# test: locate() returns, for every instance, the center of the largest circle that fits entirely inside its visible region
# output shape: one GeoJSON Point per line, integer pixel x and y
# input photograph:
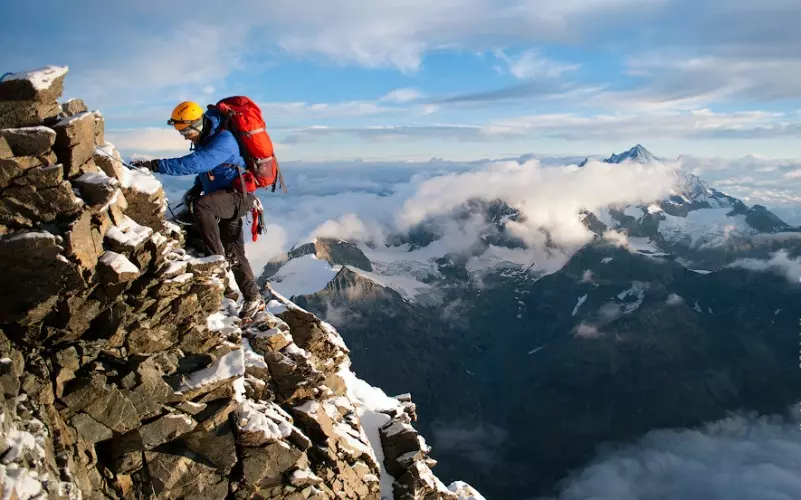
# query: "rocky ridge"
{"type": "Point", "coordinates": [124, 370]}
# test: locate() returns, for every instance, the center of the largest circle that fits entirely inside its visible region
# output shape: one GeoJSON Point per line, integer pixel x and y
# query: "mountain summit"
{"type": "Point", "coordinates": [638, 154]}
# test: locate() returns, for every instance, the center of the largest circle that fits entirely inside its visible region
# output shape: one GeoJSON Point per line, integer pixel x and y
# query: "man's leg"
{"type": "Point", "coordinates": [233, 239]}
{"type": "Point", "coordinates": [222, 205]}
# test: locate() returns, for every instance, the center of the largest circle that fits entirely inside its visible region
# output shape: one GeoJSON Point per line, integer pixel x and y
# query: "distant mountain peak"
{"type": "Point", "coordinates": [637, 154]}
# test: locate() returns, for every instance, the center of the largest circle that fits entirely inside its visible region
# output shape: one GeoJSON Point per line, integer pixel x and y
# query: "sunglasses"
{"type": "Point", "coordinates": [172, 122]}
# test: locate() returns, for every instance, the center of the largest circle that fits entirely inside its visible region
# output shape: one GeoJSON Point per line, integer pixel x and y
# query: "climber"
{"type": "Point", "coordinates": [217, 207]}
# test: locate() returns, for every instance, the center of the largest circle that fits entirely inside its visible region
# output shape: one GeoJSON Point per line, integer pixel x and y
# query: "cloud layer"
{"type": "Point", "coordinates": [738, 458]}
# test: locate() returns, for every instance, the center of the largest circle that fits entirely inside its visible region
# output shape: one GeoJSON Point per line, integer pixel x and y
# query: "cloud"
{"type": "Point", "coordinates": [587, 331]}
{"type": "Point", "coordinates": [674, 300]}
{"type": "Point", "coordinates": [480, 442]}
{"type": "Point", "coordinates": [695, 125]}
{"type": "Point", "coordinates": [742, 457]}
{"type": "Point", "coordinates": [149, 140]}
{"type": "Point", "coordinates": [531, 64]}
{"type": "Point", "coordinates": [779, 263]}
{"type": "Point", "coordinates": [402, 95]}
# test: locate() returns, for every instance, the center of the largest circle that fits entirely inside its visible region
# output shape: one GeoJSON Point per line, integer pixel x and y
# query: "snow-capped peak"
{"type": "Point", "coordinates": [637, 154]}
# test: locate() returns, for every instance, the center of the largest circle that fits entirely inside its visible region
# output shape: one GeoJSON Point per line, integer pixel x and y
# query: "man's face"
{"type": "Point", "coordinates": [191, 135]}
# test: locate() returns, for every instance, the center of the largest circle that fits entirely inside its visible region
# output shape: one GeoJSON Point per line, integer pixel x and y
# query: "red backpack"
{"type": "Point", "coordinates": [243, 118]}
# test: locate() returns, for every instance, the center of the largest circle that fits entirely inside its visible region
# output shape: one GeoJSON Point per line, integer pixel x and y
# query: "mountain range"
{"type": "Point", "coordinates": [522, 372]}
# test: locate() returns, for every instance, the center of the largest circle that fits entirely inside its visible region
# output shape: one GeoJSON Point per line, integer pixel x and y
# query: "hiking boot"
{"type": "Point", "coordinates": [251, 308]}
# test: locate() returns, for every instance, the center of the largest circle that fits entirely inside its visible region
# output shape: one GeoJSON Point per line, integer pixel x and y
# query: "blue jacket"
{"type": "Point", "coordinates": [210, 158]}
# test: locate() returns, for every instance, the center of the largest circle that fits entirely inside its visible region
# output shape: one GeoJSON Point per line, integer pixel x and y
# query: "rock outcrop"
{"type": "Point", "coordinates": [124, 369]}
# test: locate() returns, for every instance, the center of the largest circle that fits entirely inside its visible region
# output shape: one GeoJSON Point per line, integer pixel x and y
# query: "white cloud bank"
{"type": "Point", "coordinates": [738, 458]}
{"type": "Point", "coordinates": [780, 263]}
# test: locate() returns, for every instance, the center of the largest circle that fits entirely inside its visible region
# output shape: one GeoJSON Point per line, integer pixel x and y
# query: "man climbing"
{"type": "Point", "coordinates": [217, 207]}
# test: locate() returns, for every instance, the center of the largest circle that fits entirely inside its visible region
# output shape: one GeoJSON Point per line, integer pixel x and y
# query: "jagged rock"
{"type": "Point", "coordinates": [96, 188]}
{"type": "Point", "coordinates": [198, 340]}
{"type": "Point", "coordinates": [31, 262]}
{"type": "Point", "coordinates": [76, 159]}
{"type": "Point", "coordinates": [420, 482]}
{"type": "Point", "coordinates": [25, 205]}
{"type": "Point", "coordinates": [215, 413]}
{"type": "Point", "coordinates": [264, 466]}
{"type": "Point", "coordinates": [103, 402]}
{"type": "Point", "coordinates": [216, 446]}
{"type": "Point", "coordinates": [74, 130]}
{"type": "Point", "coordinates": [9, 379]}
{"type": "Point", "coordinates": [304, 477]}
{"type": "Point", "coordinates": [152, 392]}
{"type": "Point", "coordinates": [100, 129]}
{"type": "Point", "coordinates": [15, 114]}
{"type": "Point", "coordinates": [316, 336]}
{"type": "Point", "coordinates": [14, 168]}
{"type": "Point", "coordinates": [114, 268]}
{"type": "Point", "coordinates": [272, 340]}
{"type": "Point", "coordinates": [139, 394]}
{"type": "Point", "coordinates": [5, 149]}
{"type": "Point", "coordinates": [73, 107]}
{"type": "Point", "coordinates": [402, 445]}
{"type": "Point", "coordinates": [296, 379]}
{"type": "Point", "coordinates": [181, 476]}
{"type": "Point", "coordinates": [90, 429]}
{"type": "Point", "coordinates": [42, 177]}
{"type": "Point", "coordinates": [29, 141]}
{"type": "Point", "coordinates": [41, 84]}
{"type": "Point", "coordinates": [165, 429]}
{"type": "Point", "coordinates": [79, 244]}
{"type": "Point", "coordinates": [146, 340]}
{"type": "Point", "coordinates": [110, 162]}
{"type": "Point", "coordinates": [146, 199]}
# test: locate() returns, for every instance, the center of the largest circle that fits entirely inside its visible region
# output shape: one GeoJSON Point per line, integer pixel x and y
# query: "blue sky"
{"type": "Point", "coordinates": [415, 79]}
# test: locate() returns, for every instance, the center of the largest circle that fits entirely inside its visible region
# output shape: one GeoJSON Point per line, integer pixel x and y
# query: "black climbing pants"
{"type": "Point", "coordinates": [227, 237]}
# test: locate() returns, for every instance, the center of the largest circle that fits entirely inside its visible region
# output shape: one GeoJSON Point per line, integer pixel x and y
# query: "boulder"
{"type": "Point", "coordinates": [13, 168]}
{"type": "Point", "coordinates": [96, 188]}
{"type": "Point", "coordinates": [89, 429]}
{"type": "Point", "coordinates": [100, 129]}
{"type": "Point", "coordinates": [29, 141]}
{"type": "Point", "coordinates": [165, 429]}
{"type": "Point", "coordinates": [5, 148]}
{"type": "Point", "coordinates": [110, 161]}
{"type": "Point", "coordinates": [73, 107]}
{"type": "Point", "coordinates": [146, 200]}
{"type": "Point", "coordinates": [23, 206]}
{"type": "Point", "coordinates": [32, 262]}
{"type": "Point", "coordinates": [263, 467]}
{"type": "Point", "coordinates": [114, 268]}
{"type": "Point", "coordinates": [75, 130]}
{"type": "Point", "coordinates": [42, 177]}
{"type": "Point", "coordinates": [42, 84]}
{"type": "Point", "coordinates": [216, 446]}
{"type": "Point", "coordinates": [180, 475]}
{"type": "Point", "coordinates": [103, 402]}
{"type": "Point", "coordinates": [15, 114]}
{"type": "Point", "coordinates": [79, 244]}
{"type": "Point", "coordinates": [76, 158]}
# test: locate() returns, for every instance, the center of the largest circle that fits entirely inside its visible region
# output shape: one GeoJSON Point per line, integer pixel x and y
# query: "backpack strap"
{"type": "Point", "coordinates": [279, 178]}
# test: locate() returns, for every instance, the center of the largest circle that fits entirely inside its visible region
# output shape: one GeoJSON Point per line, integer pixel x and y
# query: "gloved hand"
{"type": "Point", "coordinates": [191, 196]}
{"type": "Point", "coordinates": [152, 165]}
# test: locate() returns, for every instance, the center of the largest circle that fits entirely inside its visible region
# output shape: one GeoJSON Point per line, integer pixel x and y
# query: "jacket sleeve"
{"type": "Point", "coordinates": [219, 150]}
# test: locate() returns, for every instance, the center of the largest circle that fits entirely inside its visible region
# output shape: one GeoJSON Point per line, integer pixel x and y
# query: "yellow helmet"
{"type": "Point", "coordinates": [185, 114]}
